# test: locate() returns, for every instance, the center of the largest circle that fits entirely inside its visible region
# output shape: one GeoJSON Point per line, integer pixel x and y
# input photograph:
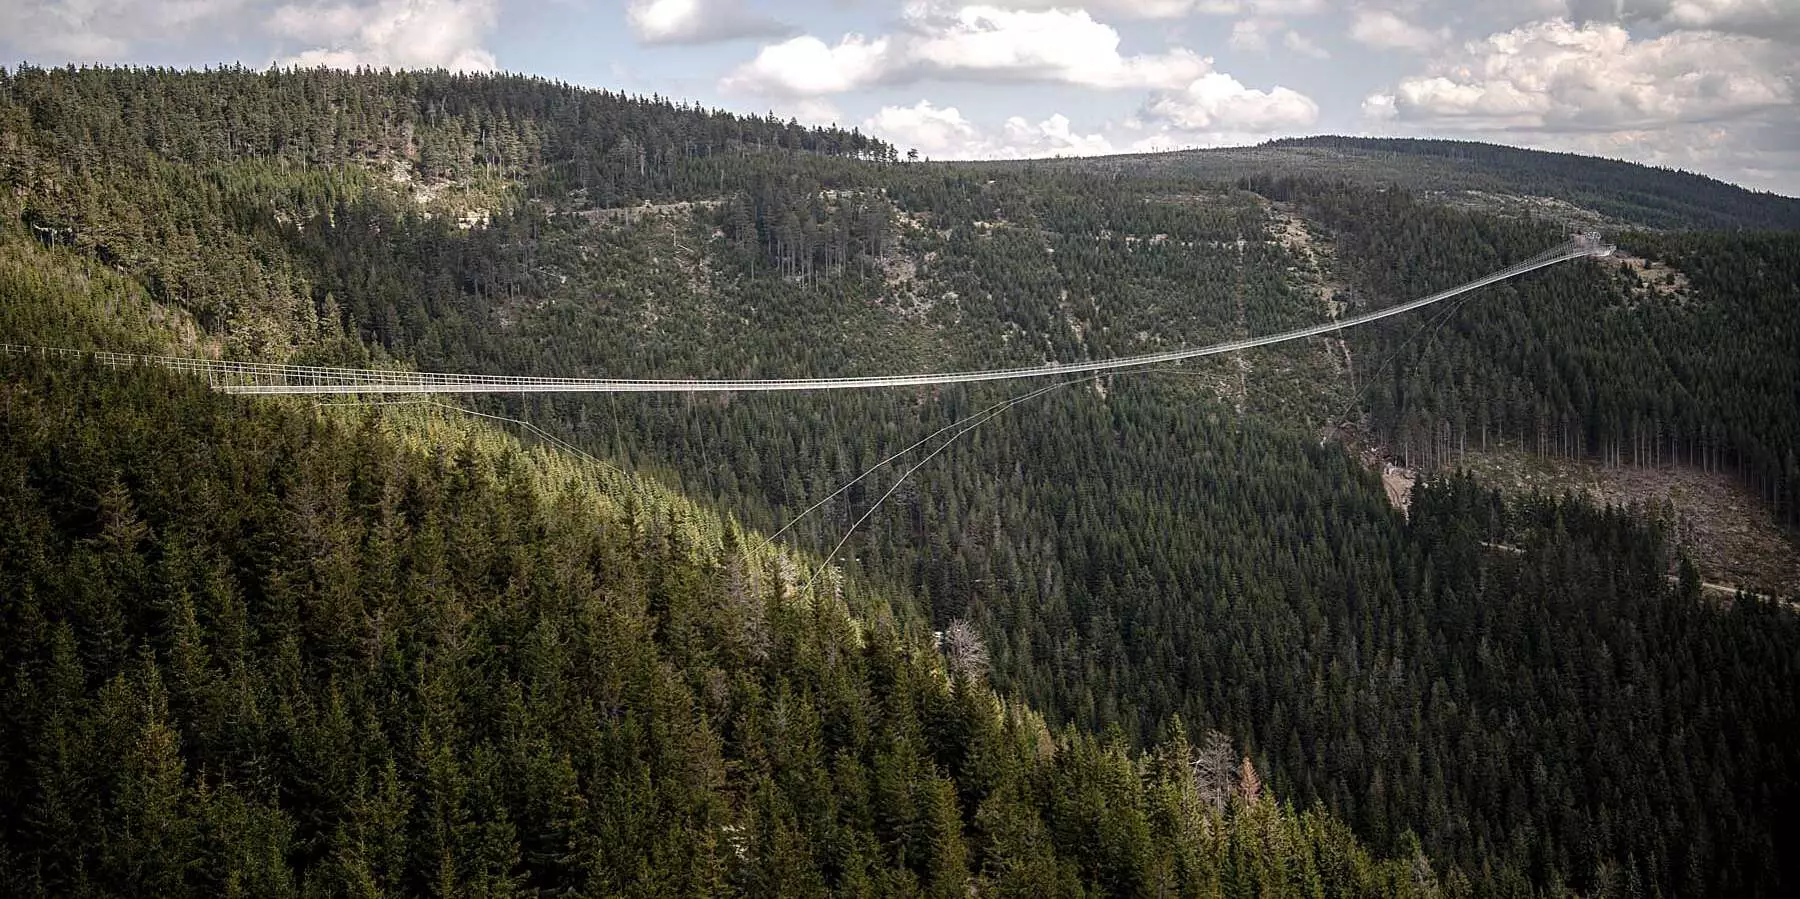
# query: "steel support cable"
{"type": "Point", "coordinates": [426, 383]}
{"type": "Point", "coordinates": [967, 423]}
{"type": "Point", "coordinates": [994, 409]}
{"type": "Point", "coordinates": [1429, 329]}
{"type": "Point", "coordinates": [543, 434]}
{"type": "Point", "coordinates": [988, 414]}
{"type": "Point", "coordinates": [984, 416]}
{"type": "Point", "coordinates": [269, 378]}
{"type": "Point", "coordinates": [981, 418]}
{"type": "Point", "coordinates": [405, 382]}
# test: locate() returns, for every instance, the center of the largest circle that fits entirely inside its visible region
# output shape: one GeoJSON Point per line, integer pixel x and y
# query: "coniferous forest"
{"type": "Point", "coordinates": [1151, 634]}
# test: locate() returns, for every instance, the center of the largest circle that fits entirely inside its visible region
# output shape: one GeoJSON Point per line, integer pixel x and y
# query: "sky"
{"type": "Point", "coordinates": [1711, 86]}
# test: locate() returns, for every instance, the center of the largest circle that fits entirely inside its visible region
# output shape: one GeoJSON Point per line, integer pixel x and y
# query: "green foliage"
{"type": "Point", "coordinates": [253, 650]}
{"type": "Point", "coordinates": [1625, 192]}
{"type": "Point", "coordinates": [259, 650]}
{"type": "Point", "coordinates": [1579, 361]}
{"type": "Point", "coordinates": [190, 181]}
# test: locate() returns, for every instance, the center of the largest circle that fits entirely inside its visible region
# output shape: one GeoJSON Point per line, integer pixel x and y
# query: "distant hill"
{"type": "Point", "coordinates": [1622, 191]}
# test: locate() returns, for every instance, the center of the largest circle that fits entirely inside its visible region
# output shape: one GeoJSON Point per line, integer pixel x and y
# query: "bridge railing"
{"type": "Point", "coordinates": [280, 378]}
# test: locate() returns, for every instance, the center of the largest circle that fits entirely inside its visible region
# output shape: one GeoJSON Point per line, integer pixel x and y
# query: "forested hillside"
{"type": "Point", "coordinates": [1586, 361]}
{"type": "Point", "coordinates": [1624, 192]}
{"type": "Point", "coordinates": [1502, 694]}
{"type": "Point", "coordinates": [255, 650]}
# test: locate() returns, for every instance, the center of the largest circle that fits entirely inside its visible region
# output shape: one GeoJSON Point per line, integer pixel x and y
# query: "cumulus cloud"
{"type": "Point", "coordinates": [346, 33]}
{"type": "Point", "coordinates": [1133, 9]}
{"type": "Point", "coordinates": [978, 43]}
{"type": "Point", "coordinates": [1219, 101]}
{"type": "Point", "coordinates": [1261, 7]}
{"type": "Point", "coordinates": [1756, 18]}
{"type": "Point", "coordinates": [1053, 136]}
{"type": "Point", "coordinates": [1259, 36]}
{"type": "Point", "coordinates": [941, 133]}
{"type": "Point", "coordinates": [1743, 16]}
{"type": "Point", "coordinates": [808, 111]}
{"type": "Point", "coordinates": [1777, 19]}
{"type": "Point", "coordinates": [1763, 18]}
{"type": "Point", "coordinates": [1174, 9]}
{"type": "Point", "coordinates": [1252, 34]}
{"type": "Point", "coordinates": [103, 30]}
{"type": "Point", "coordinates": [1056, 45]}
{"type": "Point", "coordinates": [1385, 29]}
{"type": "Point", "coordinates": [315, 24]}
{"type": "Point", "coordinates": [390, 33]}
{"type": "Point", "coordinates": [699, 21]}
{"type": "Point", "coordinates": [944, 133]}
{"type": "Point", "coordinates": [1556, 75]}
{"type": "Point", "coordinates": [806, 66]}
{"type": "Point", "coordinates": [1299, 43]}
{"type": "Point", "coordinates": [1707, 100]}
{"type": "Point", "coordinates": [1759, 155]}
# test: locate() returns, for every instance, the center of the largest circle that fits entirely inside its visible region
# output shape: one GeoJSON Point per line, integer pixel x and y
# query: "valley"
{"type": "Point", "coordinates": [1183, 630]}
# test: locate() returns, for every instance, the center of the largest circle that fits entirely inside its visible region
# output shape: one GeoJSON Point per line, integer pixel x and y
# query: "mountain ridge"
{"type": "Point", "coordinates": [1634, 194]}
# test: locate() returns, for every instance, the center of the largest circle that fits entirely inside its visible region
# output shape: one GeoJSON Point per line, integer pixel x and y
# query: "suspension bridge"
{"type": "Point", "coordinates": [273, 378]}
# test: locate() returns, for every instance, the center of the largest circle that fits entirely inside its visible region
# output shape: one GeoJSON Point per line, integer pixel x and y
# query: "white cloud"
{"type": "Point", "coordinates": [1259, 35]}
{"type": "Point", "coordinates": [320, 23]}
{"type": "Point", "coordinates": [413, 33]}
{"type": "Point", "coordinates": [1174, 9]}
{"type": "Point", "coordinates": [1699, 100]}
{"type": "Point", "coordinates": [698, 21]}
{"type": "Point", "coordinates": [391, 33]}
{"type": "Point", "coordinates": [1165, 140]}
{"type": "Point", "coordinates": [976, 43]}
{"type": "Point", "coordinates": [1748, 154]}
{"type": "Point", "coordinates": [806, 65]}
{"type": "Point", "coordinates": [1252, 34]}
{"type": "Point", "coordinates": [1264, 8]}
{"type": "Point", "coordinates": [1055, 45]}
{"type": "Point", "coordinates": [1291, 7]}
{"type": "Point", "coordinates": [1217, 101]}
{"type": "Point", "coordinates": [1385, 30]}
{"type": "Point", "coordinates": [1053, 137]}
{"type": "Point", "coordinates": [1558, 76]}
{"type": "Point", "coordinates": [1301, 44]}
{"type": "Point", "coordinates": [102, 30]}
{"type": "Point", "coordinates": [1132, 9]}
{"type": "Point", "coordinates": [809, 111]}
{"type": "Point", "coordinates": [941, 133]}
{"type": "Point", "coordinates": [944, 133]}
{"type": "Point", "coordinates": [1757, 17]}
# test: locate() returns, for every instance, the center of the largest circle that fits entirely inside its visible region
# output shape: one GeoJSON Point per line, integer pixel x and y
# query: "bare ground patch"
{"type": "Point", "coordinates": [1315, 273]}
{"type": "Point", "coordinates": [1398, 483]}
{"type": "Point", "coordinates": [1524, 205]}
{"type": "Point", "coordinates": [627, 215]}
{"type": "Point", "coordinates": [1648, 280]}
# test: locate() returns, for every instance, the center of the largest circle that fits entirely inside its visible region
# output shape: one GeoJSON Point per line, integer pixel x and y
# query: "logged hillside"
{"type": "Point", "coordinates": [1591, 361]}
{"type": "Point", "coordinates": [1475, 684]}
